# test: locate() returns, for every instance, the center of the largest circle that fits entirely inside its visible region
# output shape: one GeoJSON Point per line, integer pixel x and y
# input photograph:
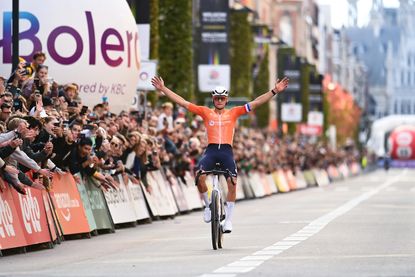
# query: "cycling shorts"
{"type": "Point", "coordinates": [215, 154]}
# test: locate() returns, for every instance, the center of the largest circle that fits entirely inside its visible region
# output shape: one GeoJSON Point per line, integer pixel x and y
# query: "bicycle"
{"type": "Point", "coordinates": [217, 208]}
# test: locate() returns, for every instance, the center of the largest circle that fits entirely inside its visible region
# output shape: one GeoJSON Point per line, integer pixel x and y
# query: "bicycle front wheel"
{"type": "Point", "coordinates": [215, 220]}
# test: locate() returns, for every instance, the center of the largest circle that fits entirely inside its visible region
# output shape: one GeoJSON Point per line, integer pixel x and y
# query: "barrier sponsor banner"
{"type": "Point", "coordinates": [121, 209]}
{"type": "Point", "coordinates": [281, 181]}
{"type": "Point", "coordinates": [11, 234]}
{"type": "Point", "coordinates": [32, 215]}
{"type": "Point", "coordinates": [344, 170]}
{"type": "Point", "coordinates": [309, 178]}
{"type": "Point", "coordinates": [150, 201]}
{"type": "Point", "coordinates": [334, 174]}
{"type": "Point", "coordinates": [86, 204]}
{"type": "Point", "coordinates": [256, 185]}
{"type": "Point", "coordinates": [54, 215]}
{"type": "Point", "coordinates": [166, 196]}
{"type": "Point", "coordinates": [290, 179]}
{"type": "Point", "coordinates": [163, 205]}
{"type": "Point", "coordinates": [355, 168]}
{"type": "Point", "coordinates": [49, 217]}
{"type": "Point", "coordinates": [248, 191]}
{"type": "Point", "coordinates": [300, 180]}
{"type": "Point", "coordinates": [190, 192]}
{"type": "Point", "coordinates": [137, 200]}
{"type": "Point", "coordinates": [265, 184]}
{"type": "Point", "coordinates": [68, 205]}
{"type": "Point", "coordinates": [177, 192]}
{"type": "Point", "coordinates": [322, 178]}
{"type": "Point", "coordinates": [239, 189]}
{"type": "Point", "coordinates": [99, 207]}
{"type": "Point", "coordinates": [272, 184]}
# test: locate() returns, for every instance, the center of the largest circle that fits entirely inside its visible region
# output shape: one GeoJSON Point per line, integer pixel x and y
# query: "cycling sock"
{"type": "Point", "coordinates": [206, 199]}
{"type": "Point", "coordinates": [229, 210]}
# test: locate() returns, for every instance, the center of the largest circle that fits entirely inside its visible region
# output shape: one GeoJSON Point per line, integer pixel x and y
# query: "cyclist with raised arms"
{"type": "Point", "coordinates": [220, 127]}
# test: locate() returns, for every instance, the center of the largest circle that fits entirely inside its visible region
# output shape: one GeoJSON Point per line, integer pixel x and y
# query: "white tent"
{"type": "Point", "coordinates": [384, 125]}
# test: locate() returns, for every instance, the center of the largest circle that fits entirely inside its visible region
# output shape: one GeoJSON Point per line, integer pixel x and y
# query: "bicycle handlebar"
{"type": "Point", "coordinates": [215, 172]}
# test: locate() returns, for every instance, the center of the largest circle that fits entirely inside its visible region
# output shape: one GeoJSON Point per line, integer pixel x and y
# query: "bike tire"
{"type": "Point", "coordinates": [221, 215]}
{"type": "Point", "coordinates": [215, 223]}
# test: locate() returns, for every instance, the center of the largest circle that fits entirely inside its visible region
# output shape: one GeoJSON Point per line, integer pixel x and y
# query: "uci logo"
{"type": "Point", "coordinates": [211, 123]}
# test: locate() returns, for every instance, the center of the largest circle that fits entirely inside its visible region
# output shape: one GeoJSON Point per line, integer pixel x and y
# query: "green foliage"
{"type": "Point", "coordinates": [260, 87]}
{"type": "Point", "coordinates": [175, 48]}
{"type": "Point", "coordinates": [240, 52]}
{"type": "Point", "coordinates": [154, 29]}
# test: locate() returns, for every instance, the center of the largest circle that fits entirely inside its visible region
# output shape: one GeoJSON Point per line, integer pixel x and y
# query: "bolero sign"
{"type": "Point", "coordinates": [92, 43]}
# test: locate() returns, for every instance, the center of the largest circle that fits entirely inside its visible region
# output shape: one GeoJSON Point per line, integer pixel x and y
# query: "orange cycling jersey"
{"type": "Point", "coordinates": [220, 127]}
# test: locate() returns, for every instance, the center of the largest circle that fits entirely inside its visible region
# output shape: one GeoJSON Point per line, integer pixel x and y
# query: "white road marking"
{"type": "Point", "coordinates": [244, 264]}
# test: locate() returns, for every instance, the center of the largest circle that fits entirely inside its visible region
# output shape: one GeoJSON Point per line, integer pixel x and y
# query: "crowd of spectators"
{"type": "Point", "coordinates": [46, 129]}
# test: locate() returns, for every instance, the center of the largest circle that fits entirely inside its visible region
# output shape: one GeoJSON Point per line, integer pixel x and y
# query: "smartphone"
{"type": "Point", "coordinates": [89, 127]}
{"type": "Point", "coordinates": [84, 109]}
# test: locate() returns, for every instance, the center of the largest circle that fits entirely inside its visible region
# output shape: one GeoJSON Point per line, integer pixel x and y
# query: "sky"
{"type": "Point", "coordinates": [339, 10]}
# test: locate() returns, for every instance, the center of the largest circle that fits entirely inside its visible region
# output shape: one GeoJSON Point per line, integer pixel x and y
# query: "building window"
{"type": "Point", "coordinates": [396, 107]}
{"type": "Point", "coordinates": [402, 108]}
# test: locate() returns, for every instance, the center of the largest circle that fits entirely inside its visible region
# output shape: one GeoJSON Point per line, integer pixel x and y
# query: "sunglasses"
{"type": "Point", "coordinates": [114, 144]}
{"type": "Point", "coordinates": [219, 98]}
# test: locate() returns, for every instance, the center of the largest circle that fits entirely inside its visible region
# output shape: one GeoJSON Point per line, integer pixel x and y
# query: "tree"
{"type": "Point", "coordinates": [261, 86]}
{"type": "Point", "coordinates": [175, 48]}
{"type": "Point", "coordinates": [240, 53]}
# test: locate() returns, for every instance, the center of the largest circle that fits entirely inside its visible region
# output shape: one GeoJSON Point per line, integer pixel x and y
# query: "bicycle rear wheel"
{"type": "Point", "coordinates": [215, 220]}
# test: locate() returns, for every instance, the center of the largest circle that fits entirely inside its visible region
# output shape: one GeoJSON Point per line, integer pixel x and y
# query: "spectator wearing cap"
{"type": "Point", "coordinates": [165, 119]}
{"type": "Point", "coordinates": [5, 111]}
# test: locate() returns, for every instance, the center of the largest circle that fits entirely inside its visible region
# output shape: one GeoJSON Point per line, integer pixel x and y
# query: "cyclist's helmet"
{"type": "Point", "coordinates": [220, 91]}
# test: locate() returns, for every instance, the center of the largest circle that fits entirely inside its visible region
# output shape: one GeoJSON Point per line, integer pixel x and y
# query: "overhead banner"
{"type": "Point", "coordinates": [211, 76]}
{"type": "Point", "coordinates": [291, 68]}
{"type": "Point", "coordinates": [315, 118]}
{"type": "Point", "coordinates": [144, 38]}
{"type": "Point", "coordinates": [291, 112]}
{"type": "Point", "coordinates": [147, 71]}
{"type": "Point", "coordinates": [92, 43]}
{"type": "Point", "coordinates": [213, 44]}
{"type": "Point", "coordinates": [316, 92]}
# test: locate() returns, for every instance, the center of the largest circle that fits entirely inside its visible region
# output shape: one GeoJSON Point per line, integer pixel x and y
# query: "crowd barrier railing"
{"type": "Point", "coordinates": [82, 208]}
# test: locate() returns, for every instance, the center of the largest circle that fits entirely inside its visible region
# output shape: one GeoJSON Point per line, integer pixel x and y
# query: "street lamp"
{"type": "Point", "coordinates": [15, 36]}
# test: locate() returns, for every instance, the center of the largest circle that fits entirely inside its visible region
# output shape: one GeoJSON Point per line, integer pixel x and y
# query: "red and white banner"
{"type": "Point", "coordinates": [11, 231]}
{"type": "Point", "coordinates": [311, 130]}
{"type": "Point", "coordinates": [68, 205]}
